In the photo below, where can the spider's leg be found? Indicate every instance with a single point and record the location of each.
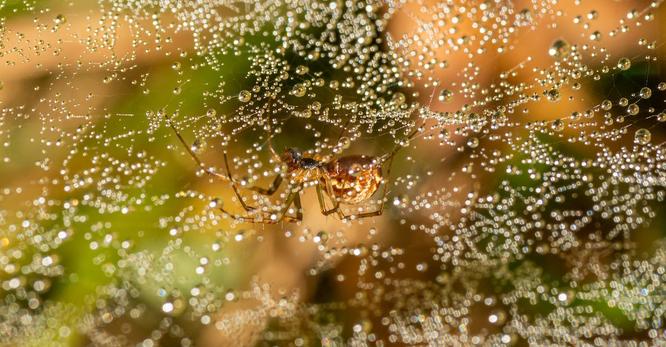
(397, 148)
(353, 216)
(194, 156)
(274, 154)
(320, 198)
(299, 208)
(271, 189)
(321, 193)
(293, 198)
(387, 183)
(278, 180)
(236, 216)
(322, 203)
(246, 207)
(270, 134)
(378, 212)
(256, 220)
(336, 203)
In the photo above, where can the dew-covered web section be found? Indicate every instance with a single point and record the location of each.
(332, 173)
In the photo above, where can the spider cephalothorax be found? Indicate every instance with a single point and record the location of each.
(295, 160)
(299, 168)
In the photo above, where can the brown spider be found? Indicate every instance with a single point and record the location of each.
(346, 180)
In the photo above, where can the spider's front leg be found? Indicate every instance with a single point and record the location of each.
(194, 156)
(268, 192)
(275, 185)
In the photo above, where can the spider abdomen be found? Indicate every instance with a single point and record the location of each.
(354, 179)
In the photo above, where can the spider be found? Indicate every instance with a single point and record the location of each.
(350, 179)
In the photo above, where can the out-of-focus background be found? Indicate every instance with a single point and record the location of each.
(109, 233)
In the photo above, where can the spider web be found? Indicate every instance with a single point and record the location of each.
(527, 208)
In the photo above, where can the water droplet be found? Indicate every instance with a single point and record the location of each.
(321, 237)
(559, 49)
(230, 295)
(399, 98)
(305, 113)
(633, 109)
(302, 70)
(595, 36)
(245, 96)
(642, 136)
(344, 142)
(167, 307)
(524, 17)
(59, 19)
(299, 90)
(558, 125)
(472, 142)
(553, 95)
(214, 203)
(623, 64)
(240, 236)
(445, 95)
(198, 146)
(645, 93)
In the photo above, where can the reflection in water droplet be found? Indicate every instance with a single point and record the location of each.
(245, 96)
(558, 125)
(624, 64)
(553, 95)
(299, 90)
(559, 49)
(642, 136)
(595, 36)
(445, 95)
(473, 142)
(633, 109)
